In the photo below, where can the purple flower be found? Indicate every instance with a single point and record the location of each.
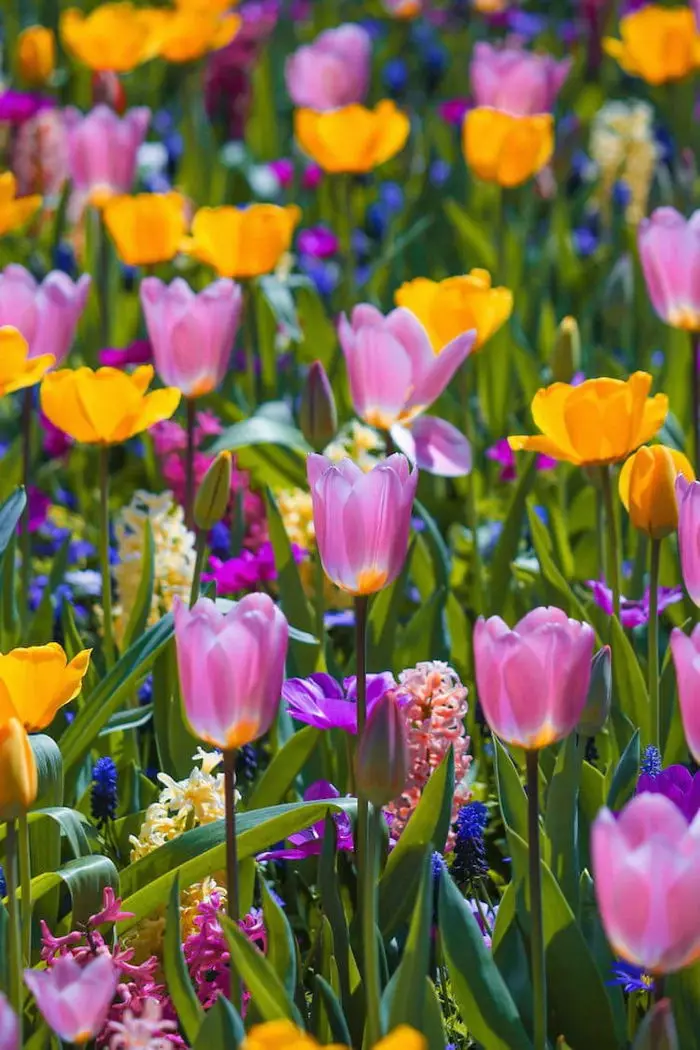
(283, 170)
(318, 241)
(632, 978)
(308, 843)
(18, 106)
(39, 504)
(322, 702)
(633, 612)
(453, 110)
(137, 353)
(248, 569)
(502, 453)
(677, 784)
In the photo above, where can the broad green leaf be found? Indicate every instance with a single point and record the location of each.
(332, 905)
(268, 994)
(548, 567)
(423, 637)
(221, 1028)
(10, 513)
(624, 778)
(85, 879)
(408, 1000)
(49, 765)
(138, 618)
(175, 742)
(9, 625)
(511, 793)
(630, 693)
(281, 949)
(183, 995)
(479, 247)
(683, 989)
(334, 1011)
(383, 620)
(283, 770)
(561, 818)
(438, 547)
(509, 539)
(261, 430)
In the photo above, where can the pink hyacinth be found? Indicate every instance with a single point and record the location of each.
(435, 711)
(669, 250)
(46, 314)
(207, 952)
(515, 80)
(688, 500)
(103, 149)
(40, 155)
(333, 71)
(646, 867)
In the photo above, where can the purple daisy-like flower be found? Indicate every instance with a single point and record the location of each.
(309, 842)
(633, 612)
(632, 978)
(321, 701)
(678, 784)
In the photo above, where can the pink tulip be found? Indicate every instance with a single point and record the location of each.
(333, 71)
(231, 667)
(103, 148)
(9, 1026)
(686, 658)
(646, 866)
(362, 521)
(192, 333)
(516, 80)
(46, 314)
(395, 375)
(688, 499)
(669, 249)
(696, 8)
(533, 679)
(74, 999)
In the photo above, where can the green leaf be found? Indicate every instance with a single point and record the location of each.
(267, 992)
(9, 626)
(683, 989)
(479, 246)
(85, 879)
(334, 1011)
(284, 768)
(183, 995)
(332, 905)
(281, 949)
(261, 430)
(438, 547)
(511, 794)
(561, 819)
(221, 1029)
(292, 597)
(132, 718)
(624, 778)
(49, 766)
(509, 539)
(10, 513)
(630, 693)
(383, 620)
(423, 637)
(408, 999)
(175, 742)
(138, 618)
(41, 627)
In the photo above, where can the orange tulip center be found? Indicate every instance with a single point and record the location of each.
(371, 580)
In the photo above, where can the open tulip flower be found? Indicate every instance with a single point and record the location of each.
(517, 81)
(114, 37)
(46, 314)
(147, 228)
(353, 139)
(74, 999)
(40, 680)
(504, 148)
(333, 71)
(669, 251)
(688, 500)
(242, 242)
(103, 150)
(184, 34)
(14, 210)
(18, 370)
(448, 308)
(658, 43)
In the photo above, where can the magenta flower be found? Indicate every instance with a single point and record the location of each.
(56, 443)
(9, 1026)
(283, 170)
(332, 71)
(111, 909)
(633, 612)
(18, 106)
(321, 701)
(678, 784)
(248, 570)
(688, 500)
(502, 453)
(454, 110)
(207, 953)
(318, 241)
(515, 80)
(312, 177)
(139, 352)
(46, 314)
(309, 842)
(39, 504)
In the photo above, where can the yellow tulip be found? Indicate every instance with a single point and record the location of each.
(40, 680)
(17, 369)
(507, 149)
(185, 34)
(647, 488)
(146, 228)
(19, 781)
(106, 406)
(658, 43)
(448, 308)
(352, 139)
(598, 422)
(115, 36)
(242, 242)
(14, 211)
(283, 1035)
(218, 7)
(36, 54)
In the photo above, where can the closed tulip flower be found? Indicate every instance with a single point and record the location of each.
(382, 759)
(231, 668)
(192, 334)
(658, 43)
(685, 651)
(147, 228)
(669, 250)
(352, 139)
(46, 313)
(114, 37)
(36, 54)
(598, 422)
(333, 71)
(515, 80)
(19, 782)
(533, 680)
(242, 242)
(646, 867)
(103, 149)
(14, 211)
(40, 680)
(17, 369)
(74, 999)
(506, 149)
(647, 488)
(688, 499)
(362, 520)
(106, 406)
(448, 308)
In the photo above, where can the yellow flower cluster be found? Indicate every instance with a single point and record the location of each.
(296, 509)
(358, 442)
(623, 147)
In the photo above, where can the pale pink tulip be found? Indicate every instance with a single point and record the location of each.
(231, 667)
(686, 658)
(9, 1026)
(533, 680)
(46, 314)
(74, 999)
(669, 250)
(333, 71)
(362, 521)
(646, 866)
(192, 334)
(688, 499)
(103, 148)
(515, 80)
(395, 375)
(696, 8)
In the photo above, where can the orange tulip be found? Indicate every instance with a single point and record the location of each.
(352, 139)
(503, 148)
(36, 54)
(40, 680)
(448, 308)
(114, 36)
(648, 488)
(242, 242)
(658, 43)
(17, 369)
(185, 34)
(14, 211)
(146, 228)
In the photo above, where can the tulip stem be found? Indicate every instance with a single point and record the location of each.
(362, 803)
(107, 626)
(539, 984)
(232, 898)
(15, 936)
(201, 553)
(189, 462)
(695, 401)
(614, 549)
(26, 541)
(25, 873)
(369, 929)
(654, 643)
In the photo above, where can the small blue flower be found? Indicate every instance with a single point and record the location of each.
(631, 978)
(437, 865)
(651, 761)
(103, 796)
(469, 863)
(146, 690)
(395, 76)
(3, 883)
(220, 540)
(439, 172)
(621, 194)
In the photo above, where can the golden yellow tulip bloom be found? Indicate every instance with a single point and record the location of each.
(106, 406)
(451, 307)
(658, 43)
(185, 34)
(503, 148)
(19, 781)
(36, 54)
(14, 211)
(647, 488)
(146, 228)
(40, 680)
(242, 242)
(114, 36)
(17, 369)
(598, 422)
(283, 1035)
(352, 139)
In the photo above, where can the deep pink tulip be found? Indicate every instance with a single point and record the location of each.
(686, 658)
(533, 679)
(395, 375)
(46, 314)
(231, 667)
(103, 148)
(516, 80)
(333, 71)
(74, 999)
(192, 334)
(669, 250)
(362, 521)
(9, 1026)
(688, 499)
(646, 866)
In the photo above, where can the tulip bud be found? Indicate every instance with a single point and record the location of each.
(213, 494)
(36, 55)
(318, 418)
(647, 488)
(597, 709)
(382, 760)
(19, 781)
(565, 361)
(108, 89)
(658, 1029)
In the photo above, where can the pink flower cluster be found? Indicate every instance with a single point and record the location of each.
(435, 712)
(207, 954)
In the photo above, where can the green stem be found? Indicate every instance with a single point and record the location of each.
(472, 513)
(15, 938)
(654, 643)
(613, 545)
(25, 872)
(25, 538)
(201, 553)
(232, 898)
(107, 627)
(369, 930)
(189, 461)
(539, 985)
(362, 803)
